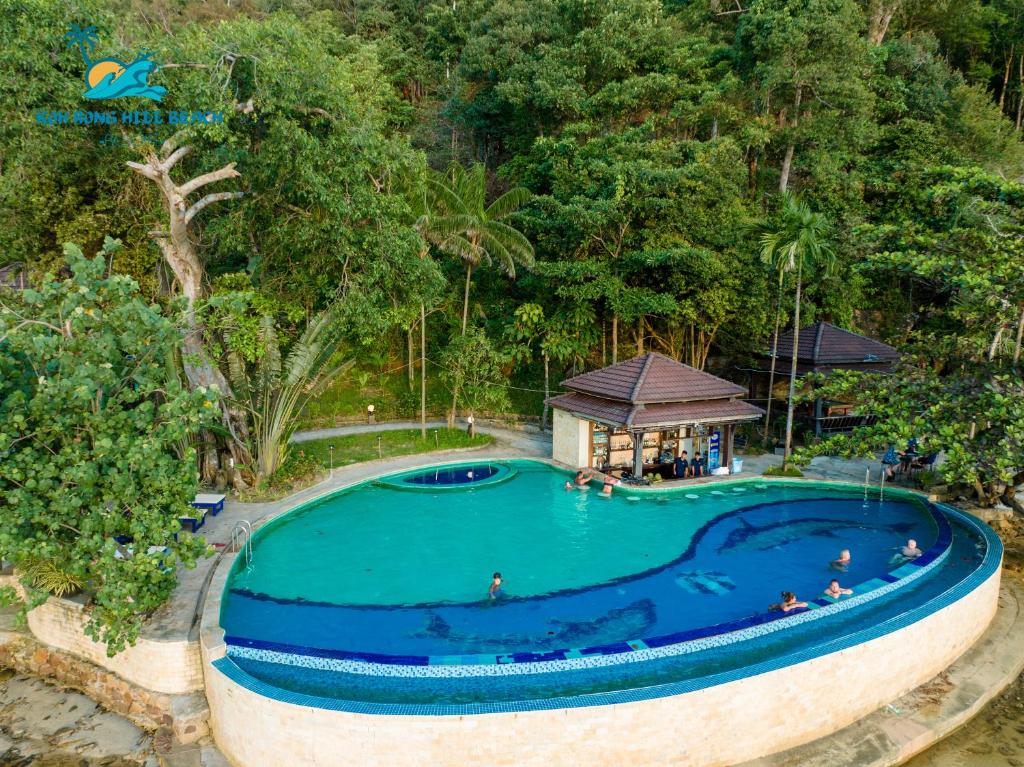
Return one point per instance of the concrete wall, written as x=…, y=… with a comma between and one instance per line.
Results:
x=720, y=725
x=173, y=667
x=570, y=439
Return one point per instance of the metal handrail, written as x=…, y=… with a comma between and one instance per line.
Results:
x=241, y=540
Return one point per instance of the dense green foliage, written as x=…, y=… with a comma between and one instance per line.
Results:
x=635, y=150
x=94, y=444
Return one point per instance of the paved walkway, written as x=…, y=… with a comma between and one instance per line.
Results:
x=178, y=618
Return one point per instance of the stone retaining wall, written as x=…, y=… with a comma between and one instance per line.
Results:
x=186, y=715
x=173, y=667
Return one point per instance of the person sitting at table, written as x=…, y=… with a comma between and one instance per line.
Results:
x=681, y=466
x=697, y=465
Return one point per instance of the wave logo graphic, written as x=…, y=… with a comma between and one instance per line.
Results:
x=112, y=78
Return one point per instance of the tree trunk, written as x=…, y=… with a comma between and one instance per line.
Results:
x=1020, y=337
x=792, y=370
x=879, y=16
x=465, y=297
x=787, y=160
x=615, y=338
x=1006, y=78
x=547, y=393
x=1020, y=91
x=411, y=359
x=775, y=350
x=995, y=344
x=640, y=335
x=423, y=371
x=176, y=246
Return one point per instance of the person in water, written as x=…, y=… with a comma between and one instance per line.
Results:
x=910, y=551
x=789, y=602
x=582, y=478
x=609, y=483
x=843, y=562
x=906, y=553
x=495, y=591
x=835, y=591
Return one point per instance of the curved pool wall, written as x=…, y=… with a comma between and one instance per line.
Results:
x=721, y=718
x=442, y=478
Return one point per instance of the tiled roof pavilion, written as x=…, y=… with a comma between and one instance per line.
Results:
x=653, y=391
x=823, y=346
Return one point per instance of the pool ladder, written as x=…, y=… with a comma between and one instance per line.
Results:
x=241, y=541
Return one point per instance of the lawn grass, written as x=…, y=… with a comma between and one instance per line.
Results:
x=354, y=448
x=309, y=462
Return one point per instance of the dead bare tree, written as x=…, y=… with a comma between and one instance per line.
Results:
x=179, y=251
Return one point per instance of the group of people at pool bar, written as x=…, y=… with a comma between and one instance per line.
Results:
x=842, y=563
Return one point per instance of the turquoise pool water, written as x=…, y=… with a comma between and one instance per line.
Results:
x=380, y=575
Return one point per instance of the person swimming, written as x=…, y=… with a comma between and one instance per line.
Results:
x=495, y=591
x=789, y=602
x=582, y=478
x=835, y=591
x=843, y=562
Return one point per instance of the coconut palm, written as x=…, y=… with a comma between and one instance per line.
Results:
x=798, y=241
x=85, y=39
x=466, y=227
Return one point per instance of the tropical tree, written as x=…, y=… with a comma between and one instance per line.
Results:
x=275, y=391
x=797, y=241
x=469, y=228
x=95, y=462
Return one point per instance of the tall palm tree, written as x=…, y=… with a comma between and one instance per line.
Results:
x=798, y=241
x=467, y=227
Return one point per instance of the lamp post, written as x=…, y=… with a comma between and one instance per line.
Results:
x=369, y=414
x=330, y=450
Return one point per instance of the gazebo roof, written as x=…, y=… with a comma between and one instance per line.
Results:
x=825, y=344
x=652, y=378
x=664, y=414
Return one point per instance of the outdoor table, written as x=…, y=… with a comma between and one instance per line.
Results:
x=212, y=503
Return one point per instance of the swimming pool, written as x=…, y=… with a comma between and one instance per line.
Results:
x=380, y=597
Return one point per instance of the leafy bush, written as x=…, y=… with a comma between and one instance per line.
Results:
x=47, y=575
x=779, y=471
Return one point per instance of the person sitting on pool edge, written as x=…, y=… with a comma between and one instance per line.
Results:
x=835, y=591
x=788, y=603
x=681, y=466
x=495, y=591
x=843, y=562
x=697, y=465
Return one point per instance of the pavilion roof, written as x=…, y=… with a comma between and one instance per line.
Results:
x=652, y=378
x=825, y=344
x=656, y=415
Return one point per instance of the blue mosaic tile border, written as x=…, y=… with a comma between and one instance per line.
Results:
x=629, y=651
x=989, y=565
